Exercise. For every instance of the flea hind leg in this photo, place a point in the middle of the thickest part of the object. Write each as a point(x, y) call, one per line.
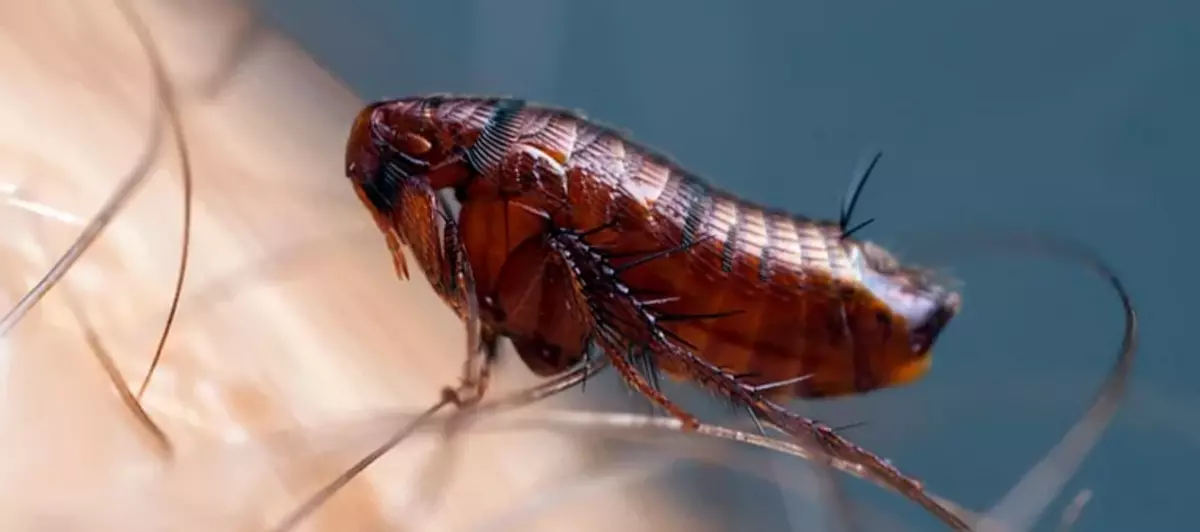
point(617, 319)
point(639, 383)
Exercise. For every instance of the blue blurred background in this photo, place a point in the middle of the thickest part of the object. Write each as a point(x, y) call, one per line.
point(1072, 116)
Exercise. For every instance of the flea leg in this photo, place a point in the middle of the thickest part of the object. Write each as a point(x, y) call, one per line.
point(613, 313)
point(643, 386)
point(477, 372)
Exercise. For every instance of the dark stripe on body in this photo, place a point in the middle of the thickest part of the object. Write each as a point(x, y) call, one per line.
point(729, 248)
point(497, 137)
point(697, 200)
point(764, 255)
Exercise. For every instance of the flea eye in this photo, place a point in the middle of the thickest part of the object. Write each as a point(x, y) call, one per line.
point(414, 144)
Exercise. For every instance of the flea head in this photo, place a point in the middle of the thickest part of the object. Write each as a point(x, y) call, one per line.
point(391, 157)
point(393, 141)
point(362, 150)
point(915, 306)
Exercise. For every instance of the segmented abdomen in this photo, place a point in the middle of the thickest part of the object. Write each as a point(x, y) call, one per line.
point(592, 160)
point(785, 288)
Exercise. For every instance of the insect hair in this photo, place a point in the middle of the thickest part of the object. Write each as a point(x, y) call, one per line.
point(850, 201)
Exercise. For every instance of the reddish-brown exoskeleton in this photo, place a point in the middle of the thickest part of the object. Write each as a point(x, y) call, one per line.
point(766, 295)
point(571, 235)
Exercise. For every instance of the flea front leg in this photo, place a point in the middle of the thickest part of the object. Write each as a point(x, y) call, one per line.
point(477, 371)
point(462, 293)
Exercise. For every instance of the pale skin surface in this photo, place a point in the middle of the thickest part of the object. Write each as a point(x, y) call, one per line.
point(291, 313)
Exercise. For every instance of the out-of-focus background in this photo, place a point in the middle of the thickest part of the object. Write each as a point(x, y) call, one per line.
point(1073, 117)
